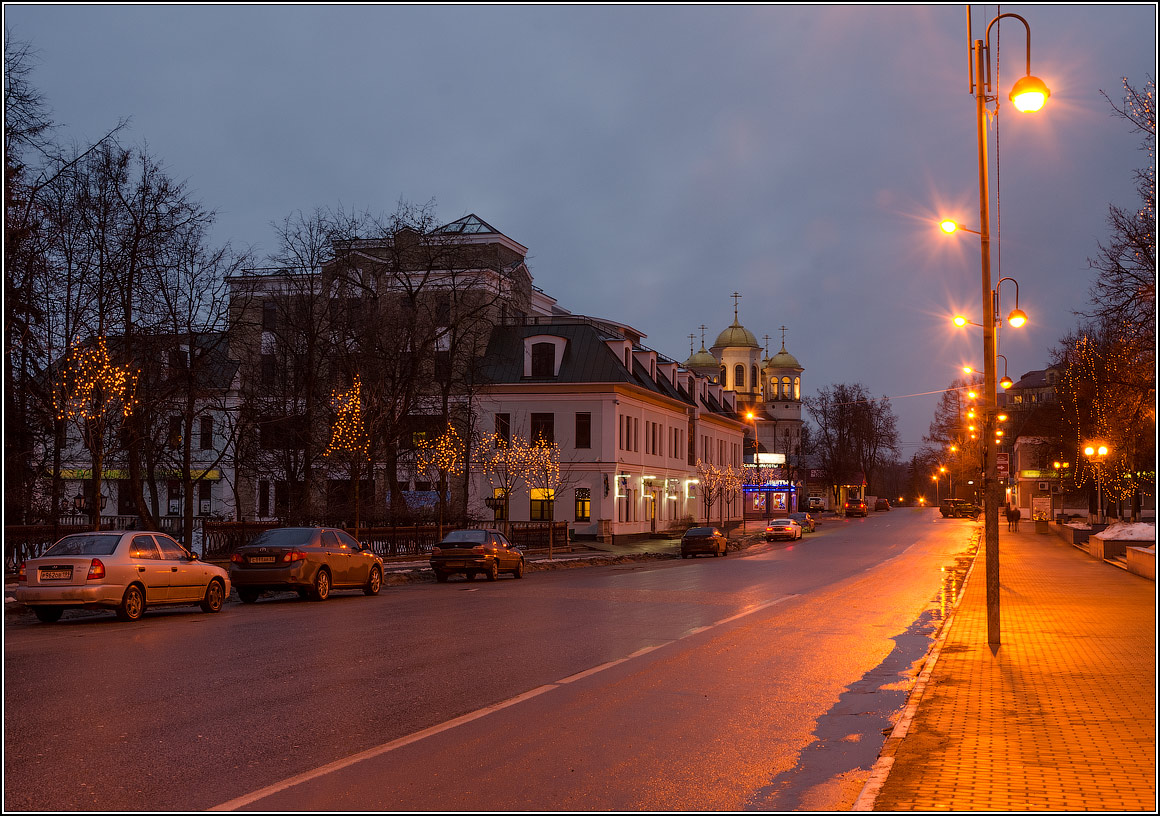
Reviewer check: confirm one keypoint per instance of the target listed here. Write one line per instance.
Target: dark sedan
(474, 552)
(704, 540)
(309, 560)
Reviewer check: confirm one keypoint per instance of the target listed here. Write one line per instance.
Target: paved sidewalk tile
(1063, 717)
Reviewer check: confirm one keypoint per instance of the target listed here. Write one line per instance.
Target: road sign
(1002, 465)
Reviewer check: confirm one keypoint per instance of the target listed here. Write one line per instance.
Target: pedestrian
(1015, 514)
(1010, 519)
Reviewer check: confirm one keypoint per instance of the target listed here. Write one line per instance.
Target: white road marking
(379, 750)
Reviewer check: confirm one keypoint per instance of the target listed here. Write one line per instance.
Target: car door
(507, 556)
(186, 577)
(358, 562)
(150, 569)
(338, 555)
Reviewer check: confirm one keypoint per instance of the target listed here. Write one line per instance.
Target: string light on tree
(348, 435)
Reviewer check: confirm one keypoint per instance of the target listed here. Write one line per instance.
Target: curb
(882, 768)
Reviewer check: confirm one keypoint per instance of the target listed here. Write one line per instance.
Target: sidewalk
(1063, 717)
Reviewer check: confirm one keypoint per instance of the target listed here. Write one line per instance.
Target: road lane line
(385, 748)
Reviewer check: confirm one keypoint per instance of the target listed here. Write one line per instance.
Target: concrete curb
(882, 768)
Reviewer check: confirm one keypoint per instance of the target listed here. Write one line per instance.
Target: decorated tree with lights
(442, 457)
(732, 483)
(711, 480)
(348, 438)
(543, 475)
(96, 395)
(504, 463)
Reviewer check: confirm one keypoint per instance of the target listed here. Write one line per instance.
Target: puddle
(849, 737)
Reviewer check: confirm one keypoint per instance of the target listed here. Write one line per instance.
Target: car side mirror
(193, 556)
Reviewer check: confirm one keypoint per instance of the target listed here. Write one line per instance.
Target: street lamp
(1029, 94)
(1096, 452)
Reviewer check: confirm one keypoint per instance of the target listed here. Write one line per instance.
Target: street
(763, 680)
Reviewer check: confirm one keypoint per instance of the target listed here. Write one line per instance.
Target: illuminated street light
(1029, 94)
(1096, 452)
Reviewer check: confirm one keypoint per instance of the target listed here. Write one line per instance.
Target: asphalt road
(763, 680)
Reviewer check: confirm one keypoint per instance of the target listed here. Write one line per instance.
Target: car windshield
(285, 537)
(465, 537)
(84, 545)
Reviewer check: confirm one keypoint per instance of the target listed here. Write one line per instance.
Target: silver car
(126, 571)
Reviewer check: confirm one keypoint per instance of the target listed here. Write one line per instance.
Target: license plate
(456, 564)
(56, 574)
(261, 559)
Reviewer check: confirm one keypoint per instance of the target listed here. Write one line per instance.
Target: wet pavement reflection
(849, 737)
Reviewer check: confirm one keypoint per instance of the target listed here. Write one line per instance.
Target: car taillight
(294, 555)
(96, 570)
(237, 558)
(21, 574)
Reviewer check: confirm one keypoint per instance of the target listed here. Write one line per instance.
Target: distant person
(1015, 515)
(1011, 516)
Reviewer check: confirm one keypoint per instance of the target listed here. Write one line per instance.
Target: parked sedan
(126, 571)
(881, 504)
(309, 560)
(785, 528)
(473, 552)
(805, 520)
(707, 540)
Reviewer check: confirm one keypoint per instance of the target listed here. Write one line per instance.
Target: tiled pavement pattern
(1062, 718)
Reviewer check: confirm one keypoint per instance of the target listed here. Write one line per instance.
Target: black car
(474, 552)
(309, 560)
(704, 540)
(958, 508)
(855, 506)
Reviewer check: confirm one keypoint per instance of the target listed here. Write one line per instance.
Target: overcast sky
(655, 159)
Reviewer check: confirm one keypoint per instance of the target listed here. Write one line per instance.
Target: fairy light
(349, 435)
(443, 454)
(91, 383)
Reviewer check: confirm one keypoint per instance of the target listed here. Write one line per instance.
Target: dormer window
(542, 356)
(543, 359)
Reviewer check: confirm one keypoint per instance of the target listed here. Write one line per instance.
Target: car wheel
(441, 576)
(249, 596)
(132, 605)
(215, 596)
(321, 589)
(48, 614)
(519, 570)
(493, 571)
(374, 582)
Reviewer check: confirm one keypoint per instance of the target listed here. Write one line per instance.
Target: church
(768, 394)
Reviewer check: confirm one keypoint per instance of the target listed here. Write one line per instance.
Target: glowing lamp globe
(1029, 94)
(948, 226)
(1017, 318)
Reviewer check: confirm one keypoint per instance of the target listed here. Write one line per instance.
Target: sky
(656, 159)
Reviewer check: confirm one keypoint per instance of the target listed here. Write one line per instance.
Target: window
(739, 377)
(269, 369)
(785, 392)
(753, 381)
(721, 376)
(175, 432)
(543, 359)
(583, 430)
(499, 504)
(206, 441)
(174, 493)
(797, 388)
(583, 504)
(503, 427)
(270, 315)
(542, 499)
(635, 434)
(442, 365)
(543, 428)
(143, 547)
(204, 497)
(170, 549)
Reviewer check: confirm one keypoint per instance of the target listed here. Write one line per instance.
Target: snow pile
(1124, 531)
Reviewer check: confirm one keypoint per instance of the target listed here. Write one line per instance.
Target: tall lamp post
(1028, 95)
(1096, 452)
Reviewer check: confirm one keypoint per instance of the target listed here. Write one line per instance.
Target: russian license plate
(56, 574)
(261, 559)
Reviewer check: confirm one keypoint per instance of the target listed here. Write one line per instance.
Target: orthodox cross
(766, 339)
(736, 297)
(692, 339)
(703, 327)
(783, 338)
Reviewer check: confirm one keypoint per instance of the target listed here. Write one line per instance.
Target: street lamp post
(1029, 94)
(1096, 452)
